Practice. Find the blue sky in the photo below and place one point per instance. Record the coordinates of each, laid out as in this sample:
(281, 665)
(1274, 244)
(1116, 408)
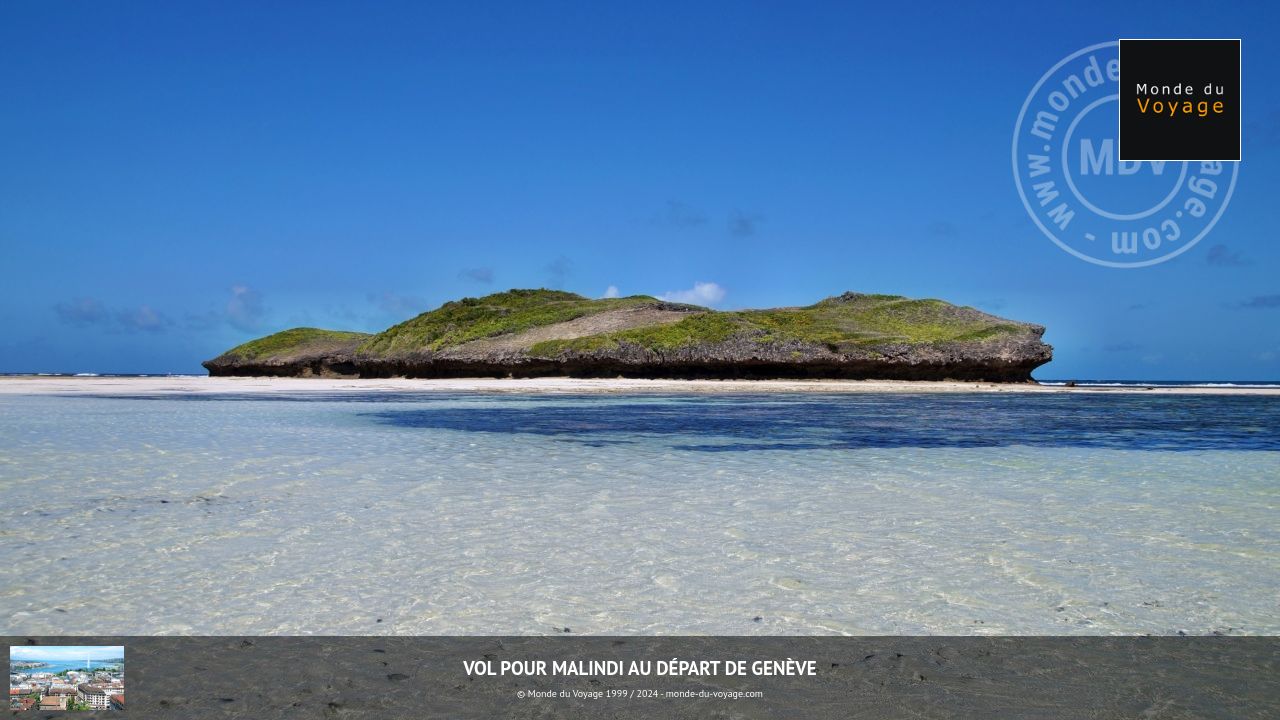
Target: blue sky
(65, 652)
(178, 178)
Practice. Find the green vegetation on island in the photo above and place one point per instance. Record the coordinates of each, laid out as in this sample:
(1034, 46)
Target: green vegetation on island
(461, 321)
(864, 320)
(296, 340)
(552, 332)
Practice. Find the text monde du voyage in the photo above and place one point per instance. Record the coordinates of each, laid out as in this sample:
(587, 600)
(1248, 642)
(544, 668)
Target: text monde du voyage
(1179, 99)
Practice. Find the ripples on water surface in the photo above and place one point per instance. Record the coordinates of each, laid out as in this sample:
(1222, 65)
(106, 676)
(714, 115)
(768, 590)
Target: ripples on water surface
(860, 514)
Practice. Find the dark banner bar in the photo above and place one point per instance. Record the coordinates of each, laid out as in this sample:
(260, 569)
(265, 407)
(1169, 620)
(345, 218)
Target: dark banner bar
(690, 677)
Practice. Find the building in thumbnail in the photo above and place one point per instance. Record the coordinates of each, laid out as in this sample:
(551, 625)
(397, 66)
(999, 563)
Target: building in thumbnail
(94, 696)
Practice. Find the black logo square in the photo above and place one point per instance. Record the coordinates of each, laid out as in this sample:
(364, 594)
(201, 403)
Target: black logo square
(1179, 99)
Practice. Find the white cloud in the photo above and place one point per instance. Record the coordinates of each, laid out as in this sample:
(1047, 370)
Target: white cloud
(612, 292)
(702, 293)
(65, 652)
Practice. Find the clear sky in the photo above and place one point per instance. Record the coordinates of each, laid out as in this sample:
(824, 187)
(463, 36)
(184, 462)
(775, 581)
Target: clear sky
(65, 652)
(176, 178)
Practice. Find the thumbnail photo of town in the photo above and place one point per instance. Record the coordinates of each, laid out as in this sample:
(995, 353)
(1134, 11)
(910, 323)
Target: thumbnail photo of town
(66, 677)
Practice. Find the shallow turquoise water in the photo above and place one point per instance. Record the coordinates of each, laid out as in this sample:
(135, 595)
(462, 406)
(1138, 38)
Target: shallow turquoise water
(436, 514)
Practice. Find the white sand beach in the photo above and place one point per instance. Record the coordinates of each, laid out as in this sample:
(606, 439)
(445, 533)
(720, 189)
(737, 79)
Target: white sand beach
(55, 385)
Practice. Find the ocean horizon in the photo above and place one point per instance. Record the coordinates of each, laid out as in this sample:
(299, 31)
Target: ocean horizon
(57, 666)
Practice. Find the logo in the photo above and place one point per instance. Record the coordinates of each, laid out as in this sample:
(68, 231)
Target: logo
(1180, 100)
(1107, 211)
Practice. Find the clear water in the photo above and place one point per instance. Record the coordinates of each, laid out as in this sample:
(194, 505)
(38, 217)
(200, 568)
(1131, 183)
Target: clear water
(779, 514)
(56, 666)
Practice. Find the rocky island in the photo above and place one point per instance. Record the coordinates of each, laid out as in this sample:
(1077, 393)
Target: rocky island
(532, 333)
